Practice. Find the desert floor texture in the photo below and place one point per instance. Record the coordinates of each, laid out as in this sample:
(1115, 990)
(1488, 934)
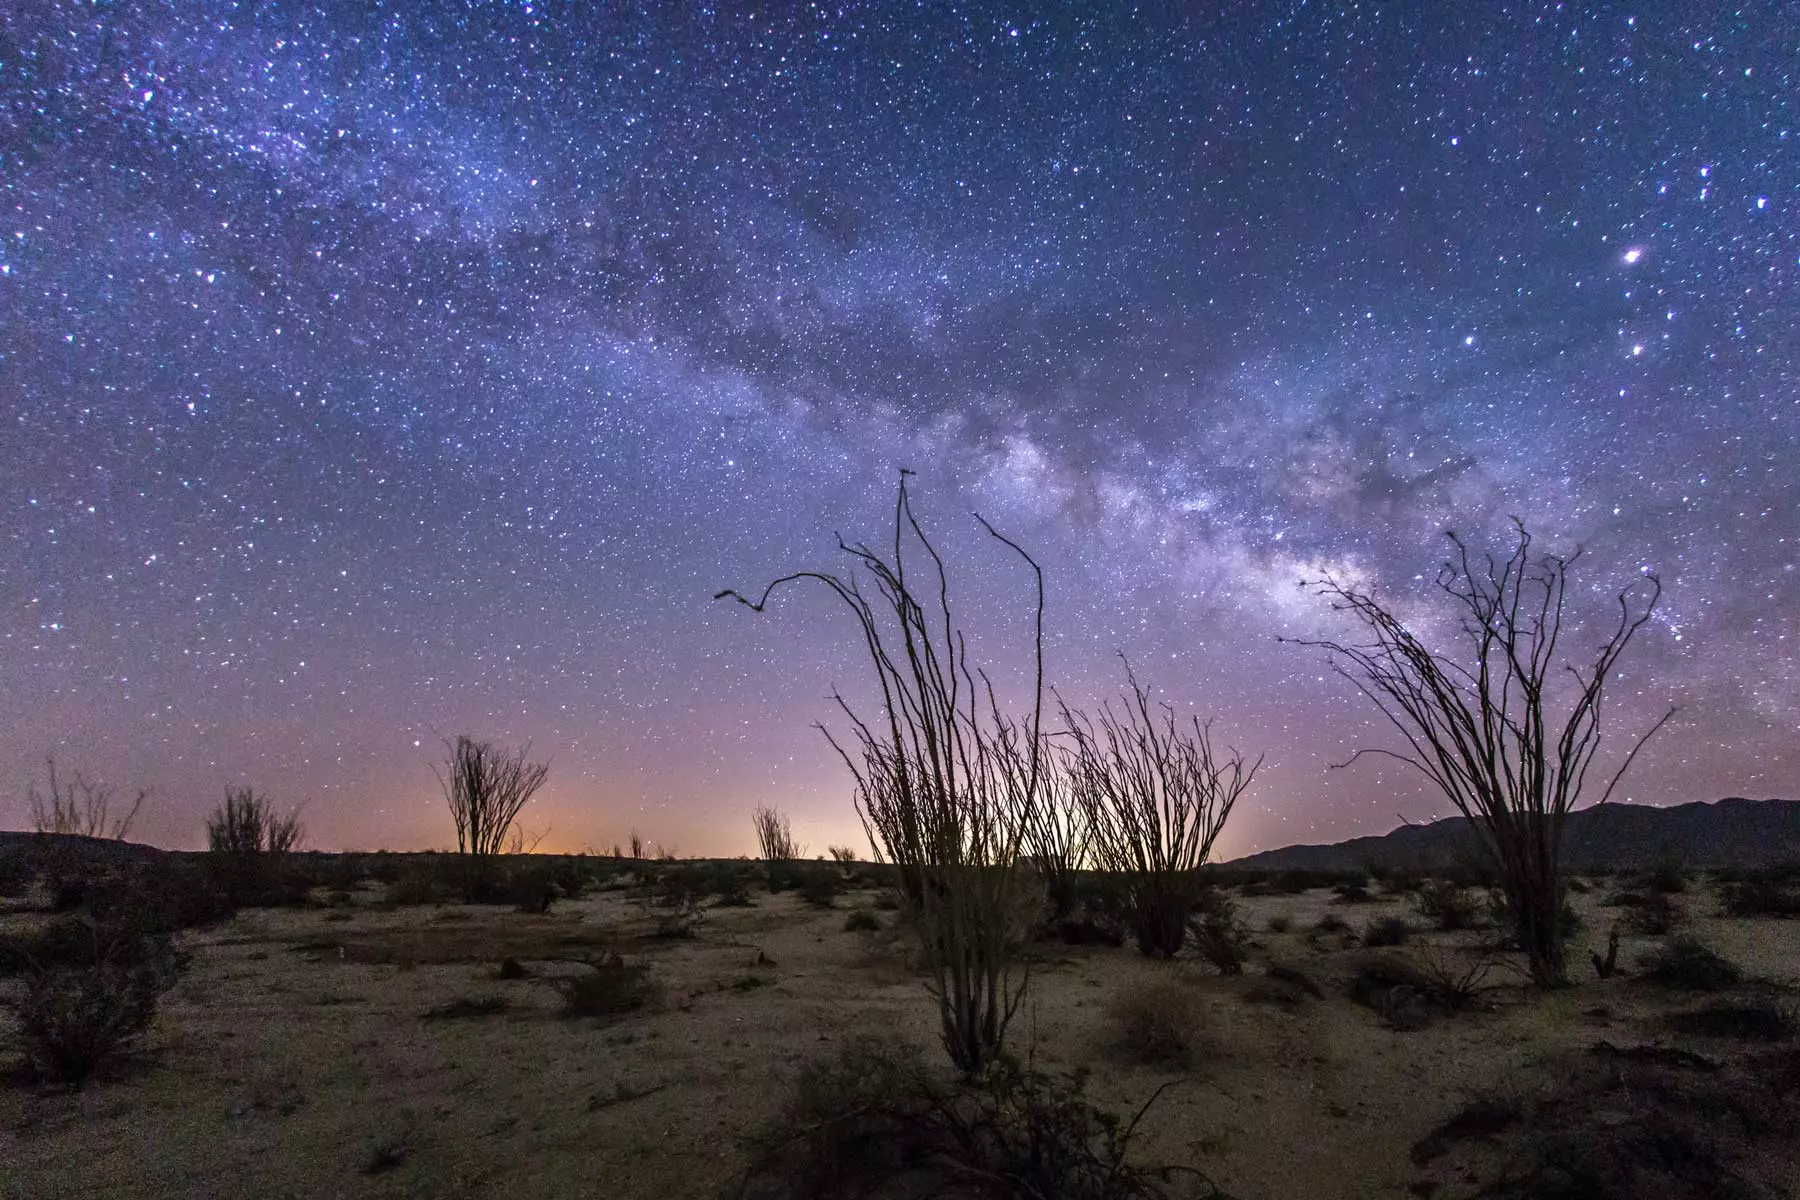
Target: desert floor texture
(296, 1058)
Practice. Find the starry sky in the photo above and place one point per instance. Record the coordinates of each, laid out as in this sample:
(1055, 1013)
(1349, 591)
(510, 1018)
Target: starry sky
(371, 373)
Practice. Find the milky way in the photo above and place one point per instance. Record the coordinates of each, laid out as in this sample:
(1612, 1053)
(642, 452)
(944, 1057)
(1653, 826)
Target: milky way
(373, 373)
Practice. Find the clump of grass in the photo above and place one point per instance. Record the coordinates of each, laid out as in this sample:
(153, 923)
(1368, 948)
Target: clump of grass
(1689, 963)
(861, 920)
(466, 1007)
(1157, 1023)
(610, 988)
(1386, 931)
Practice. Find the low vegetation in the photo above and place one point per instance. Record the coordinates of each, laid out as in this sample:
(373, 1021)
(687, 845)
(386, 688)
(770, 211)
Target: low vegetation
(876, 1118)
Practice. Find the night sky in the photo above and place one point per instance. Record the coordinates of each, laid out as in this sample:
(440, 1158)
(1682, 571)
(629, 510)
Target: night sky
(371, 373)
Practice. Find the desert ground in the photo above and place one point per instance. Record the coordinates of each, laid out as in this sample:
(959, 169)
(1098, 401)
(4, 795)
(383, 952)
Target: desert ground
(353, 1048)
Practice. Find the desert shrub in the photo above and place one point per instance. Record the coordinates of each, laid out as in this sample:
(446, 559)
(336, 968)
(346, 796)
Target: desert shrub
(86, 1009)
(820, 887)
(1157, 1022)
(1657, 916)
(1219, 937)
(873, 1121)
(531, 888)
(1687, 962)
(1764, 1019)
(1648, 1122)
(466, 1007)
(1154, 795)
(1386, 931)
(1568, 921)
(861, 920)
(1666, 876)
(1329, 925)
(1579, 886)
(1295, 978)
(250, 851)
(1280, 923)
(1396, 881)
(17, 871)
(416, 884)
(735, 896)
(1354, 892)
(1766, 893)
(1453, 981)
(1448, 905)
(611, 987)
(1482, 1117)
(680, 923)
(1408, 991)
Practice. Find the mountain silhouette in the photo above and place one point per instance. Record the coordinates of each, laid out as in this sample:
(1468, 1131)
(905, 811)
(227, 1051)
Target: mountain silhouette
(1734, 832)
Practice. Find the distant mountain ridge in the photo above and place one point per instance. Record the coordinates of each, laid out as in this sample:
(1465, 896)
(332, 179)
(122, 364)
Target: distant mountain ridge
(1733, 832)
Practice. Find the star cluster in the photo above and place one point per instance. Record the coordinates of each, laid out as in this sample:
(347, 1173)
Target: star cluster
(372, 373)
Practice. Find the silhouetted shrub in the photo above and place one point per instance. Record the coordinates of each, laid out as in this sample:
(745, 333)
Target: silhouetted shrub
(1157, 1022)
(1280, 923)
(861, 920)
(1356, 892)
(611, 987)
(1386, 931)
(1689, 963)
(874, 1120)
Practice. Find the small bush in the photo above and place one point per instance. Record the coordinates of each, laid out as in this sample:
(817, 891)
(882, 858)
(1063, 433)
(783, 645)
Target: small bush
(1386, 931)
(1689, 963)
(875, 1119)
(1352, 893)
(76, 1016)
(1450, 906)
(1222, 940)
(1280, 923)
(1666, 877)
(416, 884)
(1768, 893)
(1329, 925)
(1157, 1023)
(1759, 1020)
(1658, 916)
(861, 920)
(820, 888)
(611, 988)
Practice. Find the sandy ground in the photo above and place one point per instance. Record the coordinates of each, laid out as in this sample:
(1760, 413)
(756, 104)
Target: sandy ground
(293, 1058)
